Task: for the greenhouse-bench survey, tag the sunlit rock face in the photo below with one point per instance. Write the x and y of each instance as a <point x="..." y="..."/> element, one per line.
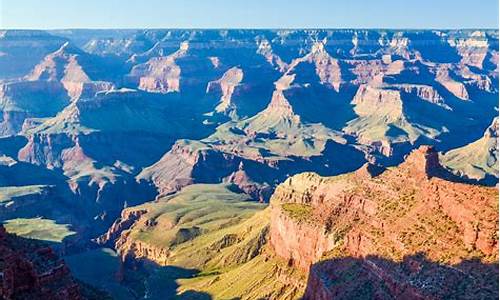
<point x="380" y="223"/>
<point x="32" y="269"/>
<point x="93" y="124"/>
<point x="167" y="108"/>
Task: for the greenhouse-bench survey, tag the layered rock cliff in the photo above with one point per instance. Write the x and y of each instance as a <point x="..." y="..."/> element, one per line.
<point x="160" y="74"/>
<point x="31" y="270"/>
<point x="370" y="218"/>
<point x="477" y="160"/>
<point x="101" y="110"/>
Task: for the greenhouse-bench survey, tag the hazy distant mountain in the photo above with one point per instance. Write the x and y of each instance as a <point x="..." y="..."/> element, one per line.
<point x="100" y="120"/>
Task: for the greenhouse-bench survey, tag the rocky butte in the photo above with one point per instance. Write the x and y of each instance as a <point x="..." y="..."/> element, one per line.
<point x="29" y="270"/>
<point x="408" y="232"/>
<point x="252" y="164"/>
<point x="404" y="232"/>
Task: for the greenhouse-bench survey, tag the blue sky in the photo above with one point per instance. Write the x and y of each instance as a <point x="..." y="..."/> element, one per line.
<point x="49" y="14"/>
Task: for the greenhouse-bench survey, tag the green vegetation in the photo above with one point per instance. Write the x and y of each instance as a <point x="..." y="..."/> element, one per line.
<point x="216" y="240"/>
<point x="7" y="193"/>
<point x="476" y="160"/>
<point x="377" y="126"/>
<point x="397" y="207"/>
<point x="196" y="210"/>
<point x="298" y="211"/>
<point x="39" y="229"/>
<point x="273" y="134"/>
<point x="256" y="279"/>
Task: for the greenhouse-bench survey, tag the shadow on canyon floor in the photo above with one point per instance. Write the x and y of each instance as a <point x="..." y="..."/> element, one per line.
<point x="415" y="277"/>
<point x="160" y="282"/>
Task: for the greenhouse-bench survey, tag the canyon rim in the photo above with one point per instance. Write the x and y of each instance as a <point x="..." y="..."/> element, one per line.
<point x="295" y="163"/>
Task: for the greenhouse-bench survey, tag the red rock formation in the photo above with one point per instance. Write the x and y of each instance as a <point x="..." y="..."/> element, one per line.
<point x="126" y="220"/>
<point x="404" y="211"/>
<point x="456" y="88"/>
<point x="226" y="84"/>
<point x="29" y="270"/>
<point x="63" y="66"/>
<point x="160" y="74"/>
<point x="473" y="49"/>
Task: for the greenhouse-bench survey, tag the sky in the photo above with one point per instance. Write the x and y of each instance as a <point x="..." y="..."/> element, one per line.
<point x="405" y="14"/>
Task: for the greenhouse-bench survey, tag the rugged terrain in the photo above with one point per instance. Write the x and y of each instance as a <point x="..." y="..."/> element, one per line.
<point x="409" y="231"/>
<point x="161" y="144"/>
<point x="30" y="269"/>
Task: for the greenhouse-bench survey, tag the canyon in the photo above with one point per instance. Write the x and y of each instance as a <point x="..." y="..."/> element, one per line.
<point x="30" y="269"/>
<point x="251" y="164"/>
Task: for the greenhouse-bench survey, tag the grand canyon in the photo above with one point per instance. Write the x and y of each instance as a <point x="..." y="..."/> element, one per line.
<point x="249" y="164"/>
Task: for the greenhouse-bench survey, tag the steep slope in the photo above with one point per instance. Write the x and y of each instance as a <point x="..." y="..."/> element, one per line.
<point x="86" y="142"/>
<point x="211" y="229"/>
<point x="404" y="232"/>
<point x="227" y="84"/>
<point x="153" y="229"/>
<point x="64" y="66"/>
<point x="28" y="192"/>
<point x="21" y="50"/>
<point x="401" y="98"/>
<point x="55" y="81"/>
<point x="160" y="74"/>
<point x="108" y="119"/>
<point x="31" y="270"/>
<point x="273" y="141"/>
<point x="357" y="223"/>
<point x="21" y="100"/>
<point x="478" y="160"/>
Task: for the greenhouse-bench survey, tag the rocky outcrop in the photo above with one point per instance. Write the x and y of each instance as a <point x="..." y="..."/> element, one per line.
<point x="327" y="68"/>
<point x="160" y="74"/>
<point x="179" y="219"/>
<point x="456" y="88"/>
<point x="175" y="169"/>
<point x="256" y="190"/>
<point x="402" y="211"/>
<point x="369" y="100"/>
<point x="63" y="66"/>
<point x="265" y="49"/>
<point x="226" y="84"/>
<point x="473" y="49"/>
<point x="250" y="108"/>
<point x="190" y="162"/>
<point x="21" y="100"/>
<point x="29" y="269"/>
<point x="425" y="92"/>
<point x="477" y="160"/>
<point x="118" y="236"/>
<point x="126" y="220"/>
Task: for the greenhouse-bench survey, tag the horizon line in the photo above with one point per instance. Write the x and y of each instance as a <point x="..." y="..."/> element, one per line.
<point x="252" y="28"/>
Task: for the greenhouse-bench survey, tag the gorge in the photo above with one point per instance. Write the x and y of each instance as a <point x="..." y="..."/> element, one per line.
<point x="251" y="164"/>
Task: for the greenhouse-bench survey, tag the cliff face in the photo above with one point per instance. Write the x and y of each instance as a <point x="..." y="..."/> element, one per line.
<point x="477" y="160"/>
<point x="362" y="221"/>
<point x="250" y="108"/>
<point x="212" y="229"/>
<point x="30" y="270"/>
<point x="152" y="230"/>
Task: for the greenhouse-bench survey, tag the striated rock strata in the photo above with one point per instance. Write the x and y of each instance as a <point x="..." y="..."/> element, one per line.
<point x="366" y="223"/>
<point x="29" y="270"/>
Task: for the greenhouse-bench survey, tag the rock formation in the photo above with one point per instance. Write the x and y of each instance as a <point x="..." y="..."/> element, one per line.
<point x="31" y="270"/>
<point x="160" y="74"/>
<point x="477" y="160"/>
<point x="227" y="84"/>
<point x="402" y="212"/>
<point x="96" y="122"/>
